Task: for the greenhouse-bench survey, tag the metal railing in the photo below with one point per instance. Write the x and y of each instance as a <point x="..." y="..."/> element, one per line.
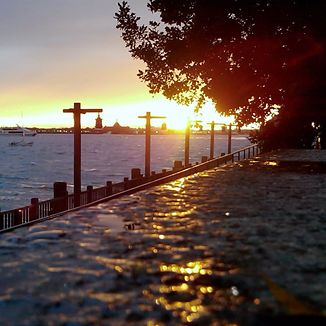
<point x="38" y="211"/>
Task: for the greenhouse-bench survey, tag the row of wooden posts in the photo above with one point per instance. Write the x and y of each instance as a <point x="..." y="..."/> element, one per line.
<point x="62" y="201"/>
<point x="77" y="111"/>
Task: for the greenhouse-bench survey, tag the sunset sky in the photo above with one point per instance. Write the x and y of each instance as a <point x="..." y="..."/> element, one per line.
<point x="57" y="52"/>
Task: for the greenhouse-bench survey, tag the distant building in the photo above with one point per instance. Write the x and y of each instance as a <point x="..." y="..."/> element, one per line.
<point x="164" y="127"/>
<point x="118" y="129"/>
<point x="98" y="122"/>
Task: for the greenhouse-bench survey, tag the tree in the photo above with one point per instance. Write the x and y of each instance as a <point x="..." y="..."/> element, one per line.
<point x="251" y="58"/>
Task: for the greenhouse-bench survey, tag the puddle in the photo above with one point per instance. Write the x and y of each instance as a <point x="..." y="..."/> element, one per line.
<point x="112" y="221"/>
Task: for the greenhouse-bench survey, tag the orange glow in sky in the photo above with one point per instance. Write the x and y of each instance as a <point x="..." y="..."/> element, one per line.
<point x="55" y="53"/>
<point x="125" y="113"/>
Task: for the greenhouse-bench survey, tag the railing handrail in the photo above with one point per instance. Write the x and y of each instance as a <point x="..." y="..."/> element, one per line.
<point x="244" y="149"/>
<point x="118" y="189"/>
<point x="116" y="184"/>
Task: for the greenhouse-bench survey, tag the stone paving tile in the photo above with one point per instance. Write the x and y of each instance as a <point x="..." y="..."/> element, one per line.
<point x="243" y="244"/>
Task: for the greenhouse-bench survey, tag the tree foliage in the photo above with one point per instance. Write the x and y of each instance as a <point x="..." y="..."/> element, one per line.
<point x="248" y="57"/>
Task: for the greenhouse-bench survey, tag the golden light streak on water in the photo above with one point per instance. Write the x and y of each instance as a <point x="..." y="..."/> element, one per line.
<point x="271" y="163"/>
<point x="177" y="288"/>
<point x="177" y="185"/>
<point x="195" y="267"/>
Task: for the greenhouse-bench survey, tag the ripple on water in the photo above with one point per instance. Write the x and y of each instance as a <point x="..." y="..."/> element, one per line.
<point x="39" y="243"/>
<point x="46" y="234"/>
<point x="113" y="222"/>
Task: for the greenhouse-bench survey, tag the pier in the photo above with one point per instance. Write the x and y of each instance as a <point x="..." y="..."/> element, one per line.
<point x="236" y="239"/>
<point x="62" y="202"/>
<point x="242" y="244"/>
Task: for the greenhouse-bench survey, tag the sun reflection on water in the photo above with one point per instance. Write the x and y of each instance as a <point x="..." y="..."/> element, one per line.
<point x="271" y="163"/>
<point x="190" y="268"/>
<point x="188" y="311"/>
<point x="193" y="291"/>
<point x="179" y="294"/>
<point x="177" y="185"/>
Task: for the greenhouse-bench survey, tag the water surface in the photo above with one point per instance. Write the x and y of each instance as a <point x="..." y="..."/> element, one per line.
<point x="30" y="171"/>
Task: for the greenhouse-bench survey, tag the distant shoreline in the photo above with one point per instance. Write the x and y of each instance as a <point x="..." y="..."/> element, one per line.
<point x="131" y="131"/>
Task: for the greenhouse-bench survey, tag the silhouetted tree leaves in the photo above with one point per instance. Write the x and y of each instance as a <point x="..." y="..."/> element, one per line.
<point x="248" y="57"/>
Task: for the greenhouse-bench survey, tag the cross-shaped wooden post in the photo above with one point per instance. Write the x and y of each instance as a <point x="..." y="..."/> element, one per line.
<point x="229" y="135"/>
<point x="211" y="152"/>
<point x="77" y="111"/>
<point x="148" y="118"/>
<point x="187" y="141"/>
<point x="230" y="138"/>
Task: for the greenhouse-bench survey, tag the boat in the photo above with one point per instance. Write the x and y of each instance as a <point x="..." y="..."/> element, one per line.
<point x="16" y="131"/>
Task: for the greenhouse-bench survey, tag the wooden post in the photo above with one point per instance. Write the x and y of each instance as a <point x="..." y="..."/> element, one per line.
<point x="187" y="143"/>
<point x="1" y="221"/>
<point x="177" y="165"/>
<point x="60" y="197"/>
<point x="148" y="118"/>
<point x="89" y="194"/>
<point x="33" y="212"/>
<point x="135" y="173"/>
<point x="125" y="183"/>
<point x="211" y="152"/>
<point x="148" y="145"/>
<point x="229" y="138"/>
<point x="77" y="111"/>
<point x="204" y="159"/>
<point x="108" y="188"/>
<point x="77" y="153"/>
<point x="18" y="217"/>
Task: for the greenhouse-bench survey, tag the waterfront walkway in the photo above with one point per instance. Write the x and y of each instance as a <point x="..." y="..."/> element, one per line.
<point x="242" y="244"/>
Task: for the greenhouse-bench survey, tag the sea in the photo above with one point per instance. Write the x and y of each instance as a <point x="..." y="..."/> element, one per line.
<point x="30" y="171"/>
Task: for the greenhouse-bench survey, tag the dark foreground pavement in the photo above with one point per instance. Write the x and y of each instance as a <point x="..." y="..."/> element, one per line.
<point x="237" y="245"/>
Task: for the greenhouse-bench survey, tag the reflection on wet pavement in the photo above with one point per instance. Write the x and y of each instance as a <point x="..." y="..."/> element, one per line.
<point x="200" y="250"/>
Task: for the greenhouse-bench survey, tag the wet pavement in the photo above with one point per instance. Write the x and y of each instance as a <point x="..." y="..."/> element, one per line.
<point x="242" y="244"/>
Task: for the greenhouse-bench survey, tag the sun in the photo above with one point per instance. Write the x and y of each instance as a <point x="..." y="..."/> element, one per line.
<point x="177" y="116"/>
